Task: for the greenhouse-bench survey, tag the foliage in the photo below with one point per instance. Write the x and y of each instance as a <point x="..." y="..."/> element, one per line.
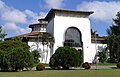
<point x="114" y="37"/>
<point x="102" y="56"/>
<point x="118" y="65"/>
<point x="65" y="57"/>
<point x="112" y="60"/>
<point x="15" y="55"/>
<point x="36" y="56"/>
<point x="40" y="67"/>
<point x="46" y="65"/>
<point x="86" y="65"/>
<point x="2" y="35"/>
<point x="15" y="39"/>
<point x="20" y="59"/>
<point x="46" y="38"/>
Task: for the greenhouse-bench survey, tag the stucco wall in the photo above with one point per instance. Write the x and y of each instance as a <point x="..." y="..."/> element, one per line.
<point x="44" y="53"/>
<point x="61" y="23"/>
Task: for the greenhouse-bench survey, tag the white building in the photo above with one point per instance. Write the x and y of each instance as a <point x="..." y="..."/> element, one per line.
<point x="69" y="28"/>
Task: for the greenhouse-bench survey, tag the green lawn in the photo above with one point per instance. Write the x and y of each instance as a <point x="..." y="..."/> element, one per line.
<point x="64" y="73"/>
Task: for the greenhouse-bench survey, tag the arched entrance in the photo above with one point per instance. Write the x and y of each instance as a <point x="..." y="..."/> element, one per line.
<point x="73" y="37"/>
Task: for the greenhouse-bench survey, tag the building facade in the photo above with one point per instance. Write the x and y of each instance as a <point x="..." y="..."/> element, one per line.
<point x="69" y="28"/>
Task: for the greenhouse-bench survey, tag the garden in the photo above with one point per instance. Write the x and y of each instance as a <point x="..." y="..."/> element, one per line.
<point x="17" y="61"/>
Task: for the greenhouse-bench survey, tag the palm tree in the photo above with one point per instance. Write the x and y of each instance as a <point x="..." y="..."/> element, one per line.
<point x="46" y="39"/>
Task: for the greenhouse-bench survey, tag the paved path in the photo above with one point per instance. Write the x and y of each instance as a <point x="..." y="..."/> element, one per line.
<point x="99" y="67"/>
<point x="92" y="67"/>
<point x="103" y="67"/>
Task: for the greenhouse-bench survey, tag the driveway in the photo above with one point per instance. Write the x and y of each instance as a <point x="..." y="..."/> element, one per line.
<point x="103" y="67"/>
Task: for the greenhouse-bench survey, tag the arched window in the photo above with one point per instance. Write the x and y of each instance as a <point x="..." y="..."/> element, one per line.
<point x="73" y="37"/>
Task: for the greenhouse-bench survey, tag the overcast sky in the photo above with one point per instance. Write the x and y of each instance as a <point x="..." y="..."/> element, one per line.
<point x="16" y="15"/>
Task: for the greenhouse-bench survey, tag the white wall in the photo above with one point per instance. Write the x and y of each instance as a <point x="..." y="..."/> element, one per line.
<point x="61" y="23"/>
<point x="45" y="54"/>
<point x="50" y="29"/>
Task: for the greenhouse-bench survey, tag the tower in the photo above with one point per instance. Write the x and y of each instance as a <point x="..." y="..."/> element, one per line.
<point x="71" y="28"/>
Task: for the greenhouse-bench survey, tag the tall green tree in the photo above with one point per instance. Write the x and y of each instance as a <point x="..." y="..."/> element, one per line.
<point x="2" y="35"/>
<point x="114" y="37"/>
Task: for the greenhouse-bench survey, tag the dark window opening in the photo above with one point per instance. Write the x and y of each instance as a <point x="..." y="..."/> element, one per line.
<point x="73" y="37"/>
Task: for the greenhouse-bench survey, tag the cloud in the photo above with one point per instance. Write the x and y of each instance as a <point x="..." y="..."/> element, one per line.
<point x="16" y="22"/>
<point x="10" y="18"/>
<point x="2" y="4"/>
<point x="54" y="3"/>
<point x="33" y="17"/>
<point x="103" y="11"/>
<point x="13" y="15"/>
<point x="31" y="14"/>
<point x="12" y="27"/>
<point x="42" y="14"/>
<point x="10" y="14"/>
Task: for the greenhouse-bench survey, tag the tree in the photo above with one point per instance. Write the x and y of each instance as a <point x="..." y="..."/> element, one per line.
<point x="65" y="57"/>
<point x="114" y="38"/>
<point x="2" y="35"/>
<point x="15" y="55"/>
<point x="46" y="39"/>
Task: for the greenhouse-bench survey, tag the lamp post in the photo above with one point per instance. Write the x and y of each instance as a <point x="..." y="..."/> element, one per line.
<point x="95" y="38"/>
<point x="96" y="49"/>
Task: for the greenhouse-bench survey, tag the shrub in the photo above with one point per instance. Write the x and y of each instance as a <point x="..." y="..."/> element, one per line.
<point x="40" y="67"/>
<point x="86" y="65"/>
<point x="65" y="57"/>
<point x="112" y="60"/>
<point x="20" y="59"/>
<point x="102" y="56"/>
<point x="15" y="56"/>
<point x="36" y="56"/>
<point x="118" y="65"/>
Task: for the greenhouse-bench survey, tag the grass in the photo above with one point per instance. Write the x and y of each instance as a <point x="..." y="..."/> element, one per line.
<point x="64" y="73"/>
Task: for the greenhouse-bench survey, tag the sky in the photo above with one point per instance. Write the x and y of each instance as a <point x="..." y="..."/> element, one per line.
<point x="17" y="15"/>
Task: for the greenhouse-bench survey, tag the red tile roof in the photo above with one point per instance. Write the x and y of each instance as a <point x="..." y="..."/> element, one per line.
<point x="28" y="35"/>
